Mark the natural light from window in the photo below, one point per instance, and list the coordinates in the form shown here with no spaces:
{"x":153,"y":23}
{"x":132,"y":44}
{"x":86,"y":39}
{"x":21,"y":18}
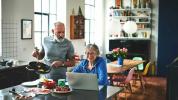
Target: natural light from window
{"x":89,"y":20}
{"x":45,"y":15}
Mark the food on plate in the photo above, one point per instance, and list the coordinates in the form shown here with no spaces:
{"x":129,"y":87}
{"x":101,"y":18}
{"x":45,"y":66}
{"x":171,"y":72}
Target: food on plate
{"x":20,"y":97}
{"x":39,"y":67}
{"x":49,"y":84}
{"x":39,"y":90}
{"x":62,"y":88}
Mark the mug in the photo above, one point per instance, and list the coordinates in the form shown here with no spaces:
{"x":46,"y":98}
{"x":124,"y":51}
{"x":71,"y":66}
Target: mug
{"x":61,"y":82}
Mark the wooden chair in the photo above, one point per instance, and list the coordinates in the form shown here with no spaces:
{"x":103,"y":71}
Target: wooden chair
{"x":140,"y":75}
{"x":125,"y":81}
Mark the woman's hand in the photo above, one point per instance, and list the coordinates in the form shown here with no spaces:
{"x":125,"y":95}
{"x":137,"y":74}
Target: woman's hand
{"x":57,"y":64}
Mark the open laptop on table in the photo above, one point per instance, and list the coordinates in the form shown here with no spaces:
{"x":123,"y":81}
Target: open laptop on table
{"x":84,"y":81}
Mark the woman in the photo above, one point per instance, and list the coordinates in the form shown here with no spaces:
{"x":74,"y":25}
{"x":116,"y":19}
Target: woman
{"x":93,"y":64}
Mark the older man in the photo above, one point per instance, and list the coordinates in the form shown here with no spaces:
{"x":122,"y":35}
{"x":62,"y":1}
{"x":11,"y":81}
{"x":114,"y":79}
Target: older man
{"x":57,"y":52}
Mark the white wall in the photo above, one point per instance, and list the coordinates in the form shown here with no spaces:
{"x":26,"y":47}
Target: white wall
{"x":0,"y":29}
{"x":12,"y":12}
{"x":154,"y":42}
{"x":79,"y":44}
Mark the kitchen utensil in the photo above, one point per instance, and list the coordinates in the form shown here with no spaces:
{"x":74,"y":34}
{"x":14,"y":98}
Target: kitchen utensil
{"x":39,"y":67}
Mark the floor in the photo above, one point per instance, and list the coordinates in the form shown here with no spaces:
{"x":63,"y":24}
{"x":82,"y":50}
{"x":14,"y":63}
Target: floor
{"x":155,"y":89}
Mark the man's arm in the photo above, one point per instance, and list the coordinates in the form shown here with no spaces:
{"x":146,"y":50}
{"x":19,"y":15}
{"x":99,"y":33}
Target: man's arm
{"x":70,"y":62}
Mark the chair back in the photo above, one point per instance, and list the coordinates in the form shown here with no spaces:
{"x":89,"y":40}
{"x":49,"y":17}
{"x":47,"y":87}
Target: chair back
{"x":146,"y":68}
{"x":140,"y":66}
{"x":130,"y":75}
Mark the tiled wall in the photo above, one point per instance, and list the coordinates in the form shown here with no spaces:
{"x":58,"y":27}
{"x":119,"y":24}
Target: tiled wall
{"x":9,"y":38}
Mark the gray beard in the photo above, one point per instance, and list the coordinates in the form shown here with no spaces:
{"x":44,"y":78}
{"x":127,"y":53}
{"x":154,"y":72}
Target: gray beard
{"x":58,"y":39}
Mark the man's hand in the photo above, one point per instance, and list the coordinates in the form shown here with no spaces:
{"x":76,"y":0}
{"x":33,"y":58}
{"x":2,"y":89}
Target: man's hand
{"x":35,"y":53}
{"x":57,"y":64}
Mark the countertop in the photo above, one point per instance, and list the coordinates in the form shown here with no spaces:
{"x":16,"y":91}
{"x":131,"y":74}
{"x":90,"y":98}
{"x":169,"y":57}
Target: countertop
{"x":17,"y":64}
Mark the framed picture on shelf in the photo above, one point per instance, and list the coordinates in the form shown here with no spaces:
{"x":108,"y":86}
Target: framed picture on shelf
{"x":26,"y":29}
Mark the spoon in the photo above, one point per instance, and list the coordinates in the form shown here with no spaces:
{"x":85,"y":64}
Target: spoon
{"x":37,"y":50}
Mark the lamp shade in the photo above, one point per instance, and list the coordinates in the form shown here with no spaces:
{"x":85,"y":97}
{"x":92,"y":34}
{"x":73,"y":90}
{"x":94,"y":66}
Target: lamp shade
{"x":114,"y":26}
{"x":130,"y":27}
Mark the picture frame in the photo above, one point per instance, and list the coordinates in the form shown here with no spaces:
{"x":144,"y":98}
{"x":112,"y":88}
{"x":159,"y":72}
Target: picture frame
{"x":26,"y":29}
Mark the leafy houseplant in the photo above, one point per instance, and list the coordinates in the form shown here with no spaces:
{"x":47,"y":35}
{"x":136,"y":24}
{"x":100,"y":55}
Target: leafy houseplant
{"x":119,"y":52}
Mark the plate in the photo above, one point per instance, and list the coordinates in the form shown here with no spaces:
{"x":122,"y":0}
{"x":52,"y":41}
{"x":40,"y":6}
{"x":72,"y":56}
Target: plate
{"x":114,"y":65}
{"x":61,"y":92}
{"x":30,"y":83}
{"x":39,"y":90}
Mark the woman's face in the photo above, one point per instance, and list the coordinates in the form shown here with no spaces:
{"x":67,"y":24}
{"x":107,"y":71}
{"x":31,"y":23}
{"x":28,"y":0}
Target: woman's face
{"x":91,"y":55}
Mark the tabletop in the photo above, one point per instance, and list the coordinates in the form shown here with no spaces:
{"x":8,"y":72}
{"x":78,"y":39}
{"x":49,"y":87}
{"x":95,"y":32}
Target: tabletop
{"x":113,"y":67}
{"x":106,"y":93}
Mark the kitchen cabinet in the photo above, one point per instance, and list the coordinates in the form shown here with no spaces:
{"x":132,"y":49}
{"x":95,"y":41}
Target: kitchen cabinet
{"x":11,"y":76}
{"x":77,"y":27}
{"x":139,"y":48}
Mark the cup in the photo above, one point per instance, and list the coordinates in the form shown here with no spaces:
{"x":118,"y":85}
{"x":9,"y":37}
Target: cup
{"x":61,"y":82}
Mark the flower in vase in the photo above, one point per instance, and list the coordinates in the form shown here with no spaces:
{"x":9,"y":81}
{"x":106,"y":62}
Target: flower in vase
{"x":119,"y":52}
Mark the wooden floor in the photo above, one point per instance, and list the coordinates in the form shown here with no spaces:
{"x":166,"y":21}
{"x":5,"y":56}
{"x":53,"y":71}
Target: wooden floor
{"x":155,"y":90}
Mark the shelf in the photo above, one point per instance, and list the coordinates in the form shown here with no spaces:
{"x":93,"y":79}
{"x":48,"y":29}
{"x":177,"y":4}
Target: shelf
{"x":134,"y":9}
{"x":138,"y":22}
{"x":142,"y":17}
{"x":128,"y":38}
{"x":139,"y":29}
{"x":132,"y":16}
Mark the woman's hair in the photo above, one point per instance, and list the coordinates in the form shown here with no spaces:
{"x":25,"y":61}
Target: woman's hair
{"x":94,"y":47}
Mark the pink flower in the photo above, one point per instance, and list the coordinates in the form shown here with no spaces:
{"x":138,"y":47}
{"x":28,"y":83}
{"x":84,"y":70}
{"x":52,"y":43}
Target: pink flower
{"x":119,"y":52}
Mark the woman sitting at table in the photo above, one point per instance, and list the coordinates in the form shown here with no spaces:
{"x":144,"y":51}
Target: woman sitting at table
{"x":93,"y":64}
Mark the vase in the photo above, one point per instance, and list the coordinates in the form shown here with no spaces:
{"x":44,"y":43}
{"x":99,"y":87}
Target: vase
{"x":120,"y":61}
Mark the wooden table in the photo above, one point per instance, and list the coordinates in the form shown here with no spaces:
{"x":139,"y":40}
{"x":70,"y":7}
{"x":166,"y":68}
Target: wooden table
{"x":113,"y":67}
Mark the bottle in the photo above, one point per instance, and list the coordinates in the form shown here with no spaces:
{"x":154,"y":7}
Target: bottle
{"x":139,"y":3}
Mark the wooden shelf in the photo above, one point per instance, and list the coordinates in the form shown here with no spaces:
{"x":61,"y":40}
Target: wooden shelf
{"x":77,"y":27}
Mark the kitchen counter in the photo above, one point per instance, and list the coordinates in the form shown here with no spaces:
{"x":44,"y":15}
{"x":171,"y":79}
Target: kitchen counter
{"x":18,"y":64}
{"x":15,"y":75}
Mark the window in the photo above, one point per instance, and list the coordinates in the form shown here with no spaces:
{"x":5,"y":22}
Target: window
{"x":89,"y":20}
{"x":0,"y":33}
{"x":45,"y":15}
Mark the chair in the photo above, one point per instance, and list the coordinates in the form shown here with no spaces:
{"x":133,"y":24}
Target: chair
{"x":140,"y":75}
{"x":140,"y":66}
{"x":125,"y":81}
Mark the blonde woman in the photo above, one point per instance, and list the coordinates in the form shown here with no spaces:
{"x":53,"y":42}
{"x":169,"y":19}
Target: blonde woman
{"x":93,"y":64}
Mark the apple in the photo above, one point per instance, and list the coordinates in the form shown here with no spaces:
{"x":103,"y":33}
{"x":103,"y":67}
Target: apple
{"x":49,"y":84}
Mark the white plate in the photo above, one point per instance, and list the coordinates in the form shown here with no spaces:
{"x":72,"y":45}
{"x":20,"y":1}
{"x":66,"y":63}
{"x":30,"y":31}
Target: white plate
{"x":31,"y":83}
{"x":114,"y":65}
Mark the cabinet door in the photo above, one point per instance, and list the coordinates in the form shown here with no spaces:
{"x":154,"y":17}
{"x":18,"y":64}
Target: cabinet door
{"x":135,"y":47}
{"x":77,"y":27}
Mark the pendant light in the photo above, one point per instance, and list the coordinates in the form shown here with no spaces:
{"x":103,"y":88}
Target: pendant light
{"x":114,"y":27}
{"x":130,"y":26}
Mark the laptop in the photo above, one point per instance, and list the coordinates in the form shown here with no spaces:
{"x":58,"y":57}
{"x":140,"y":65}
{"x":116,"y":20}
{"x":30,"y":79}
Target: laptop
{"x":84,"y":81}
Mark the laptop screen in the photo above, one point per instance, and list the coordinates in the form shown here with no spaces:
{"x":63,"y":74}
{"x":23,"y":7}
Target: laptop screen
{"x":85,"y":81}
